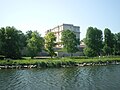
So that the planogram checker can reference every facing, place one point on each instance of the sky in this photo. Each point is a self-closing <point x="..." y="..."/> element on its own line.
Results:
<point x="42" y="15"/>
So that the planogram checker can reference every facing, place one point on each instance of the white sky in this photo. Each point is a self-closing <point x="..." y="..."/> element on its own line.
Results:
<point x="42" y="15"/>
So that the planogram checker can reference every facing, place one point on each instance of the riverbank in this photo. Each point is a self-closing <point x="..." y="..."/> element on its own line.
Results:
<point x="58" y="62"/>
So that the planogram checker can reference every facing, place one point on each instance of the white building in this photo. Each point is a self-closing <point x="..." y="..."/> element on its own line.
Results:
<point x="58" y="29"/>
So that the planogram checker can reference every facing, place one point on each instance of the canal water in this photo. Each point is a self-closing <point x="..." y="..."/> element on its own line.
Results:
<point x="75" y="78"/>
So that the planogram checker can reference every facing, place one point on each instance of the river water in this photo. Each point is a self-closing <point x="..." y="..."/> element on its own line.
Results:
<point x="75" y="78"/>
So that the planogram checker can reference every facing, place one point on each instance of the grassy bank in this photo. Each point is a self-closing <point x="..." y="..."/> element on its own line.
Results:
<point x="61" y="62"/>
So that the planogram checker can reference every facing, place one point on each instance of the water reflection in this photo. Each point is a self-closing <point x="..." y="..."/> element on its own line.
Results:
<point x="77" y="78"/>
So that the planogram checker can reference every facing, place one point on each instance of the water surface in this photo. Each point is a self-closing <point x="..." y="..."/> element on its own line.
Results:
<point x="75" y="78"/>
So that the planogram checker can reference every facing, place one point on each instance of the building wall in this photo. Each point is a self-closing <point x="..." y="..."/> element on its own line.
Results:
<point x="58" y="30"/>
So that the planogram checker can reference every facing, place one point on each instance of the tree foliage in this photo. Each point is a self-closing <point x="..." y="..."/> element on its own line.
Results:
<point x="93" y="42"/>
<point x="11" y="42"/>
<point x="117" y="44"/>
<point x="29" y="34"/>
<point x="89" y="52"/>
<point x="69" y="41"/>
<point x="35" y="44"/>
<point x="108" y="42"/>
<point x="50" y="43"/>
<point x="0" y="42"/>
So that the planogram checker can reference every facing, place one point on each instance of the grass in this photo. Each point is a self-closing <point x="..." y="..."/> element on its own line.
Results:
<point x="56" y="62"/>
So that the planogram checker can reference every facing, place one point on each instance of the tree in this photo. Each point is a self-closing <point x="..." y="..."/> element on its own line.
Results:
<point x="34" y="44"/>
<point x="108" y="42"/>
<point x="93" y="42"/>
<point x="22" y="38"/>
<point x="117" y="44"/>
<point x="106" y="49"/>
<point x="0" y="43"/>
<point x="69" y="41"/>
<point x="11" y="42"/>
<point x="29" y="34"/>
<point x="50" y="43"/>
<point x="89" y="52"/>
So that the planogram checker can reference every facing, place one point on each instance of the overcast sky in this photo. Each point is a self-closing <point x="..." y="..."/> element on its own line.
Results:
<point x="45" y="14"/>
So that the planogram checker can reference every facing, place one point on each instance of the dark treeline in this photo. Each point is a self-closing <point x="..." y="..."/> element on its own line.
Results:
<point x="14" y="43"/>
<point x="97" y="44"/>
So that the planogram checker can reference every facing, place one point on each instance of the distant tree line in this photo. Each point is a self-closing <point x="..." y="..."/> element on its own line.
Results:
<point x="14" y="43"/>
<point x="97" y="44"/>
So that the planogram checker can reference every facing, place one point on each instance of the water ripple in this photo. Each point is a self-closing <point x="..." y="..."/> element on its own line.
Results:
<point x="75" y="78"/>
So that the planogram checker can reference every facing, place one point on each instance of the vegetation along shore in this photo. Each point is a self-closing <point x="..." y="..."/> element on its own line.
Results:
<point x="98" y="50"/>
<point x="58" y="62"/>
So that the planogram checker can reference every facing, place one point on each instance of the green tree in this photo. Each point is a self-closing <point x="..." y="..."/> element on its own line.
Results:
<point x="69" y="41"/>
<point x="11" y="42"/>
<point x="0" y="43"/>
<point x="29" y="34"/>
<point x="117" y="44"/>
<point x="106" y="49"/>
<point x="22" y="39"/>
<point x="89" y="52"/>
<point x="50" y="43"/>
<point x="108" y="42"/>
<point x="34" y="44"/>
<point x="93" y="42"/>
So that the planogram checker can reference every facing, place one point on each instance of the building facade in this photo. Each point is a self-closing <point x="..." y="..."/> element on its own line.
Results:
<point x="58" y="31"/>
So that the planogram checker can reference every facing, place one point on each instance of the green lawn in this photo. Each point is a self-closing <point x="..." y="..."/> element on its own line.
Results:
<point x="28" y="61"/>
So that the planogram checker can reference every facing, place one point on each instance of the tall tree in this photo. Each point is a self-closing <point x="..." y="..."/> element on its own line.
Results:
<point x="50" y="43"/>
<point x="11" y="42"/>
<point x="108" y="42"/>
<point x="29" y="34"/>
<point x="93" y="42"/>
<point x="117" y="44"/>
<point x="34" y="44"/>
<point x="69" y="41"/>
<point x="0" y="43"/>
